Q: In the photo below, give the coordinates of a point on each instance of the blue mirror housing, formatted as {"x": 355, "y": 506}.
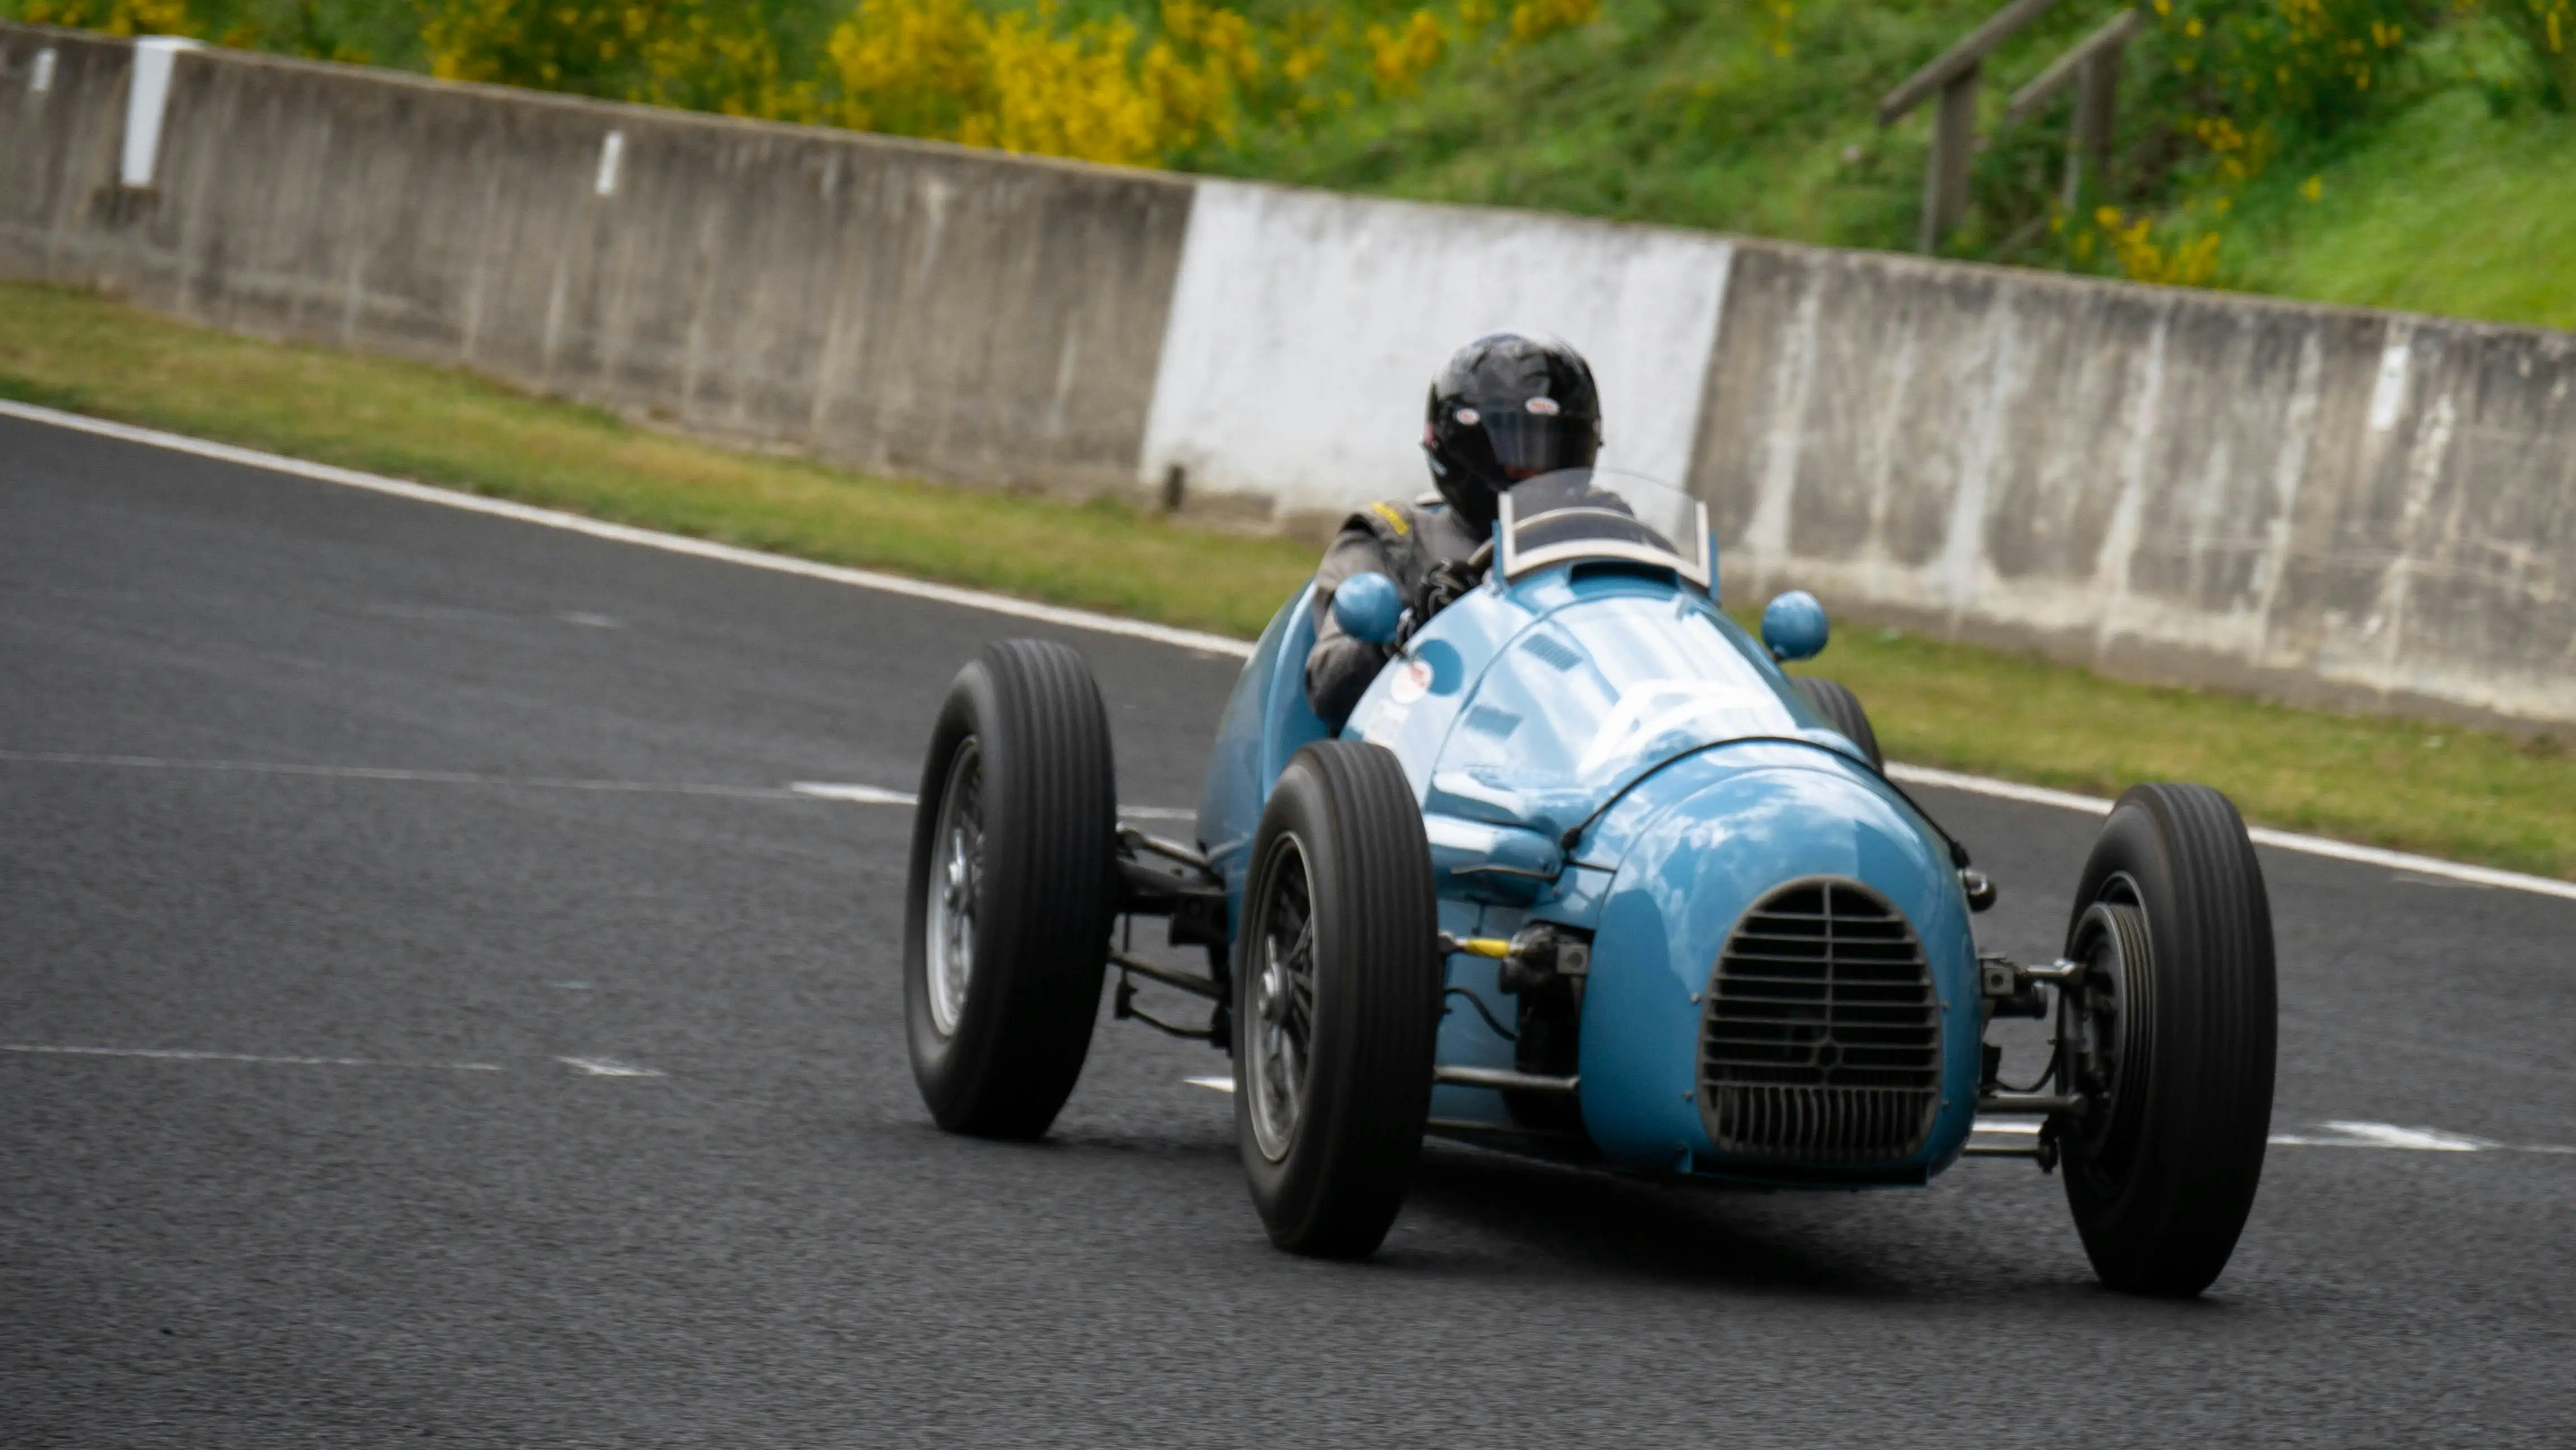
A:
{"x": 1794, "y": 627}
{"x": 1367, "y": 607}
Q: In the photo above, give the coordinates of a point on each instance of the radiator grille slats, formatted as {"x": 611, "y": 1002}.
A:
{"x": 1821, "y": 1038}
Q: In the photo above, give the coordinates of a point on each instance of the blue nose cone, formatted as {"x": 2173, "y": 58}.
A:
{"x": 1757, "y": 822}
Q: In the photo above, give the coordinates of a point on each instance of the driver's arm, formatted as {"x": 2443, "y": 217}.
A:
{"x": 1339, "y": 668}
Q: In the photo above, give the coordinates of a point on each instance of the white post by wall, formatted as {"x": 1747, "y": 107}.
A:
{"x": 147, "y": 98}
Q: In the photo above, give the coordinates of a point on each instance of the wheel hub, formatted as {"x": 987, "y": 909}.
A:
{"x": 948, "y": 935}
{"x": 1283, "y": 1000}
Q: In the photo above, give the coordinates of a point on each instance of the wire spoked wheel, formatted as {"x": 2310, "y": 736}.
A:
{"x": 955, "y": 888}
{"x": 1337, "y": 971}
{"x": 1282, "y": 1009}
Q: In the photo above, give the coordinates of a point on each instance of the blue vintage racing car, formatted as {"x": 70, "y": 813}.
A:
{"x": 1587, "y": 877}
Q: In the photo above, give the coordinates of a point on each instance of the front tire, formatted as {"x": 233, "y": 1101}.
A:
{"x": 1841, "y": 709}
{"x": 2176, "y": 1042}
{"x": 1012, "y": 891}
{"x": 1338, "y": 979}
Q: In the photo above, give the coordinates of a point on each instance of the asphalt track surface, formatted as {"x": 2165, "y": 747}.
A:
{"x": 400, "y": 1173}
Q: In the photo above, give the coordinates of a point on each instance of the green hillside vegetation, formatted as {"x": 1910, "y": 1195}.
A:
{"x": 2402, "y": 153}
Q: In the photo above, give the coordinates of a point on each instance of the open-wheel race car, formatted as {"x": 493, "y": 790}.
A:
{"x": 1586, "y": 877}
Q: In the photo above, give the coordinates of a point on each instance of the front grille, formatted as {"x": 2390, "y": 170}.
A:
{"x": 1821, "y": 1038}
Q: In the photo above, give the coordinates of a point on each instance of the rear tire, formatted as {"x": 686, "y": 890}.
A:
{"x": 1013, "y": 891}
{"x": 1337, "y": 981}
{"x": 2172, "y": 916}
{"x": 1841, "y": 709}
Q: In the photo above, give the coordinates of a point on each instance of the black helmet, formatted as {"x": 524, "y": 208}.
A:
{"x": 1508, "y": 407}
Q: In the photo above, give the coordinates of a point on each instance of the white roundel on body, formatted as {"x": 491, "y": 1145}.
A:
{"x": 1412, "y": 681}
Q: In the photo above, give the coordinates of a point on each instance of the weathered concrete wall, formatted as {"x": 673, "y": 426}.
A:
{"x": 61, "y": 122}
{"x": 2324, "y": 504}
{"x": 902, "y": 306}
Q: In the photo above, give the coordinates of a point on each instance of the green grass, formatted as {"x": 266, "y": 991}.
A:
{"x": 2470, "y": 795}
{"x": 2449, "y": 208}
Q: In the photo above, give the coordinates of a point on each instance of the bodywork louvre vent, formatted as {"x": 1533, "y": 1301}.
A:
{"x": 1821, "y": 1038}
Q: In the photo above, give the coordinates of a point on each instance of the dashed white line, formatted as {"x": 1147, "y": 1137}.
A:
{"x": 603, "y": 1067}
{"x": 1221, "y": 1084}
{"x": 2345, "y": 1133}
{"x": 874, "y": 795}
{"x": 173, "y": 1054}
{"x": 1084, "y": 619}
{"x": 864, "y": 795}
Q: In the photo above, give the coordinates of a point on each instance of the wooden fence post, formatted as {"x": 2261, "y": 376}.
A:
{"x": 2088, "y": 151}
{"x": 1954, "y": 145}
{"x": 1954, "y": 76}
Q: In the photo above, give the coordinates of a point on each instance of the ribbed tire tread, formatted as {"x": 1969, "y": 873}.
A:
{"x": 2166, "y": 1221}
{"x": 1050, "y": 807}
{"x": 1841, "y": 709}
{"x": 1377, "y": 1008}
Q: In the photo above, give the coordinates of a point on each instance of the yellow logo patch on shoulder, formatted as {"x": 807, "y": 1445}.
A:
{"x": 1388, "y": 513}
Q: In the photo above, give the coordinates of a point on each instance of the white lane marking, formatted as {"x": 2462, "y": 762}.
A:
{"x": 1085, "y": 619}
{"x": 2349, "y": 1134}
{"x": 2341, "y": 1133}
{"x": 2263, "y": 835}
{"x": 873, "y": 795}
{"x": 1190, "y": 639}
{"x": 603, "y": 1067}
{"x": 172, "y": 1054}
{"x": 864, "y": 795}
{"x": 1221, "y": 1084}
{"x": 590, "y": 620}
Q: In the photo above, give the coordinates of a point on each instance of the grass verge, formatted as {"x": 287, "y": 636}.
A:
{"x": 2470, "y": 795}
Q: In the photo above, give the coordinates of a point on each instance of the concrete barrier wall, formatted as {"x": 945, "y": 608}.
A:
{"x": 920, "y": 308}
{"x": 2322, "y": 504}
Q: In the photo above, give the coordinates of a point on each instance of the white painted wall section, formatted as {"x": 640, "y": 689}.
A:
{"x": 147, "y": 99}
{"x": 1305, "y": 327}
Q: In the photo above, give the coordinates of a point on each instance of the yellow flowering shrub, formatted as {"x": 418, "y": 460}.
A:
{"x": 592, "y": 49}
{"x": 1015, "y": 74}
{"x": 2193, "y": 263}
{"x": 115, "y": 17}
{"x": 1399, "y": 57}
{"x": 1022, "y": 81}
{"x": 1536, "y": 20}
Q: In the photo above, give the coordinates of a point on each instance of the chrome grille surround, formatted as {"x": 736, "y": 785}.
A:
{"x": 1820, "y": 1033}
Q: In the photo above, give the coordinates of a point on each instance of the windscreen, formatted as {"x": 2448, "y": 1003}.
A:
{"x": 1579, "y": 513}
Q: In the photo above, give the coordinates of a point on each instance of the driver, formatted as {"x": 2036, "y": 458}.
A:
{"x": 1506, "y": 407}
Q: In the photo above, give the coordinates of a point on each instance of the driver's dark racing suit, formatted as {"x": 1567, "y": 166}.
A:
{"x": 1404, "y": 541}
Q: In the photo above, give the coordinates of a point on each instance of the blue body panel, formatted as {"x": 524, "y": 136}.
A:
{"x": 1624, "y": 707}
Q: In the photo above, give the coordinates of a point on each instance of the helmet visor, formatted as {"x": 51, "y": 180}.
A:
{"x": 1527, "y": 444}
